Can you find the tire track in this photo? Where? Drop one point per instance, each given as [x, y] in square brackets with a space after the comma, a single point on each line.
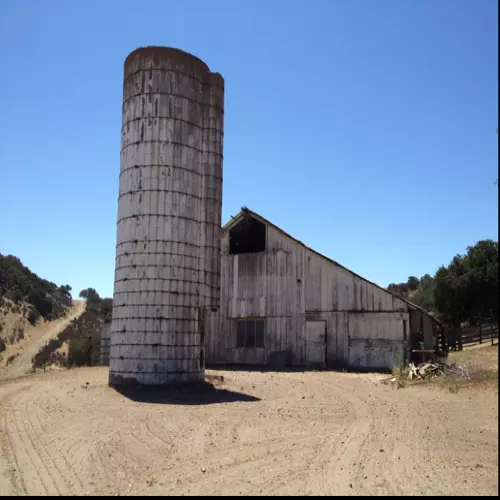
[16, 480]
[58, 478]
[42, 469]
[34, 479]
[311, 433]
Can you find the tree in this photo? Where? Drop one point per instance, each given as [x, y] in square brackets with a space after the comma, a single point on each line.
[467, 290]
[106, 309]
[427, 286]
[454, 290]
[482, 279]
[41, 302]
[101, 307]
[89, 294]
[65, 291]
[413, 283]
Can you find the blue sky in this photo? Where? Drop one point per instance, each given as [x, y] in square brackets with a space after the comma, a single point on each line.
[366, 129]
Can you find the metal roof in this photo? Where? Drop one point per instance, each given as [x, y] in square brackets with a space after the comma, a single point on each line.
[245, 212]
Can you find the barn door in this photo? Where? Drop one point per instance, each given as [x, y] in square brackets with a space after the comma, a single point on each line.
[316, 344]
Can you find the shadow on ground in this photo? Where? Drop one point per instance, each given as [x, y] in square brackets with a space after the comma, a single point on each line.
[258, 368]
[201, 394]
[270, 369]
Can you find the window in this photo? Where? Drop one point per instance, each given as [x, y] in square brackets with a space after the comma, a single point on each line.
[250, 333]
[248, 236]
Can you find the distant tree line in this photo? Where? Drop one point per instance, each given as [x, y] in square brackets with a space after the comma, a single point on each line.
[19, 284]
[101, 307]
[464, 291]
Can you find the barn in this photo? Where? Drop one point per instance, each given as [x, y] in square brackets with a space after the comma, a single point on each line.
[285, 305]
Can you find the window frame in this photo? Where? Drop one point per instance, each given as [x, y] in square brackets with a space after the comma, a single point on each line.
[257, 333]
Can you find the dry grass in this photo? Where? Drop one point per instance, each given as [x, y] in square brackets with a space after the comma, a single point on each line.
[481, 364]
[483, 356]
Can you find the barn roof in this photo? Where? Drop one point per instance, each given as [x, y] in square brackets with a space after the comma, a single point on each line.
[246, 212]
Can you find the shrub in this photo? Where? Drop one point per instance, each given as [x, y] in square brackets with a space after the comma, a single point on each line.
[10, 359]
[2, 345]
[16, 296]
[33, 316]
[17, 334]
[78, 352]
[38, 299]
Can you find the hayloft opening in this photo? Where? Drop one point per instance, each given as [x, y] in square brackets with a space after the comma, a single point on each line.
[248, 236]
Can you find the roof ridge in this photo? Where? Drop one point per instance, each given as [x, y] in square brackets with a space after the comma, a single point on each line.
[246, 211]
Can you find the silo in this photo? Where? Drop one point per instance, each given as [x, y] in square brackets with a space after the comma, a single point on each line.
[169, 217]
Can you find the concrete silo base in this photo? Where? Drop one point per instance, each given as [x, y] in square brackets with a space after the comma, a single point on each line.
[181, 380]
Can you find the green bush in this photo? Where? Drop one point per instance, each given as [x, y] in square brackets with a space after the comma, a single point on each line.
[78, 352]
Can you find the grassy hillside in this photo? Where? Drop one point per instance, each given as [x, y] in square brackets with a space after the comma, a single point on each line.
[27, 300]
[30, 295]
[29, 305]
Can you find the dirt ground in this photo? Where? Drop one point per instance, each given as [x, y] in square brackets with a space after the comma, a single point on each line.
[259, 433]
[35, 338]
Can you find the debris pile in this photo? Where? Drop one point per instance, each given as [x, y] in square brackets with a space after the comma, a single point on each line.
[436, 369]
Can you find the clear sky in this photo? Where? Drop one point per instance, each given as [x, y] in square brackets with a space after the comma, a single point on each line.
[366, 129]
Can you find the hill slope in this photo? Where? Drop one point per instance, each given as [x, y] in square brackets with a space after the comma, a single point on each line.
[37, 316]
[24, 292]
[17, 359]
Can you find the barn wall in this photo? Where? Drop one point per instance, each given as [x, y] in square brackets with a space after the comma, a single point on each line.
[288, 284]
[253, 285]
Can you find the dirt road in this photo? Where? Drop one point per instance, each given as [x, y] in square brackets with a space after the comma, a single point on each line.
[37, 339]
[260, 433]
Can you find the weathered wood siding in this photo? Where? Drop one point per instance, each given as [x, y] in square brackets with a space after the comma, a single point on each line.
[289, 283]
[422, 323]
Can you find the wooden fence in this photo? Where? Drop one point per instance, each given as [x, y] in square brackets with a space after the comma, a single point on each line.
[480, 334]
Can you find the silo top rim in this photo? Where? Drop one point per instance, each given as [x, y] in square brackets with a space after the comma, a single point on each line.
[167, 52]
